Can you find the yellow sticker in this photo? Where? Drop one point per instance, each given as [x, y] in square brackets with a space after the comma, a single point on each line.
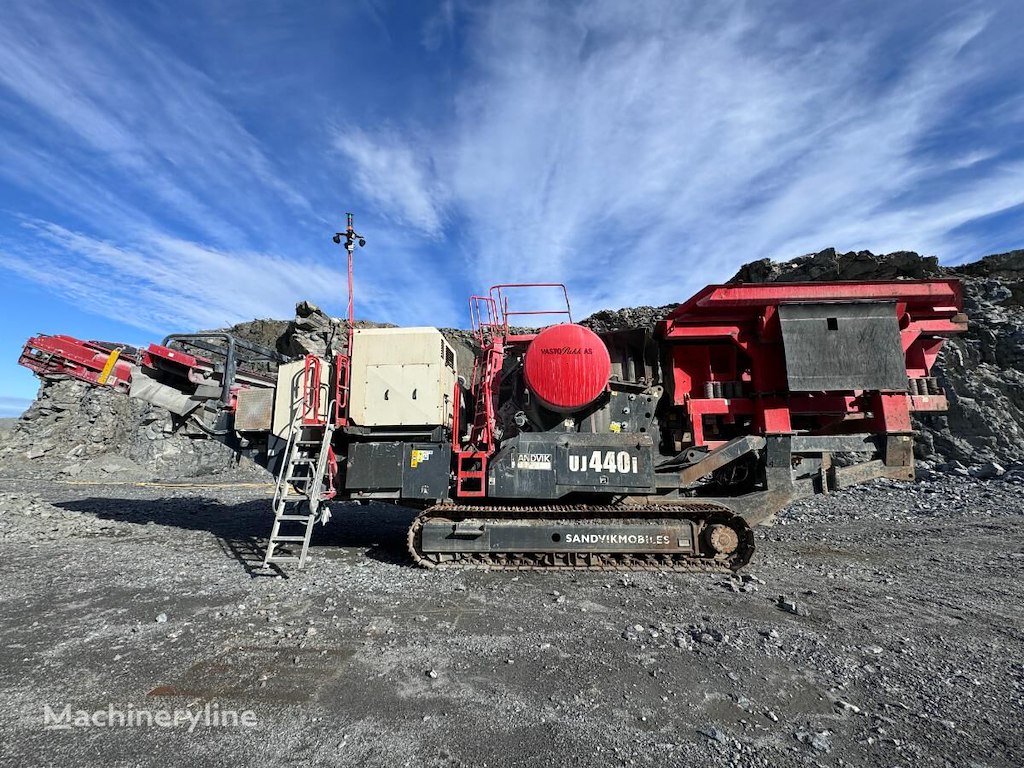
[416, 457]
[105, 373]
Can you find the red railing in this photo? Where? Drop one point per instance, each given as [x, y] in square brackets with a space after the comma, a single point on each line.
[342, 386]
[311, 416]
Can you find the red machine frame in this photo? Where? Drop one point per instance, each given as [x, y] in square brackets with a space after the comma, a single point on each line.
[88, 361]
[732, 333]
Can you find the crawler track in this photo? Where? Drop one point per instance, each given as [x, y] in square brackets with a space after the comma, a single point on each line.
[711, 524]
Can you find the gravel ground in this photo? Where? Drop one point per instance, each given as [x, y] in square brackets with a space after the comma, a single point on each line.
[879, 626]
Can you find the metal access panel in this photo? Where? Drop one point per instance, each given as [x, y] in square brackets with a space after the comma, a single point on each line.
[843, 346]
[426, 469]
[374, 466]
[401, 377]
[254, 410]
[418, 470]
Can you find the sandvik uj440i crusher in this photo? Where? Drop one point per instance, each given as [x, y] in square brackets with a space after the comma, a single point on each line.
[565, 448]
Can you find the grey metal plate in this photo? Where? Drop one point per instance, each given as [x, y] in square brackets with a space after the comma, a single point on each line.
[255, 410]
[552, 536]
[425, 471]
[145, 387]
[842, 346]
[376, 466]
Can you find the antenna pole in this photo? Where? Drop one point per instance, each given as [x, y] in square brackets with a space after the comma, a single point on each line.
[351, 239]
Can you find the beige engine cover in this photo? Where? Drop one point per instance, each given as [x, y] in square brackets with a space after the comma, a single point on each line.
[401, 377]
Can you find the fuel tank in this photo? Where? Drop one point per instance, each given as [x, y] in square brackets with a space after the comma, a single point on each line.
[567, 367]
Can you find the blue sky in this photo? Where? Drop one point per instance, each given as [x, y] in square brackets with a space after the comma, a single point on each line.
[174, 166]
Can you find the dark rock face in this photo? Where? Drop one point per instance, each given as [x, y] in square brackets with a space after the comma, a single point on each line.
[629, 317]
[830, 265]
[314, 332]
[982, 371]
[266, 333]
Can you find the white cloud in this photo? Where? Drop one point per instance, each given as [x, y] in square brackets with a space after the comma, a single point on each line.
[639, 156]
[440, 26]
[160, 283]
[392, 174]
[121, 106]
[164, 284]
[634, 154]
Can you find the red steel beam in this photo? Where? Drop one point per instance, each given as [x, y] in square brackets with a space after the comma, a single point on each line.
[83, 360]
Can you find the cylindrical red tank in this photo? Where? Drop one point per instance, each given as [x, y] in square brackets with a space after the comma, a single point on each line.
[567, 367]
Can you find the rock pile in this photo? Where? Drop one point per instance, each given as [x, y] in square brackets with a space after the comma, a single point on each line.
[314, 332]
[74, 430]
[628, 317]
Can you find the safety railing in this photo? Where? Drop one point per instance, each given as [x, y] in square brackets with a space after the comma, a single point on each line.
[311, 395]
[494, 314]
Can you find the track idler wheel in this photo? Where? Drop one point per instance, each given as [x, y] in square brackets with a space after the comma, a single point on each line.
[722, 539]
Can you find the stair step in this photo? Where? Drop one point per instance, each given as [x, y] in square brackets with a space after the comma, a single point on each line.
[300, 479]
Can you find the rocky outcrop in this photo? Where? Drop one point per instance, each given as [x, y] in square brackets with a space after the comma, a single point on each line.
[830, 265]
[628, 317]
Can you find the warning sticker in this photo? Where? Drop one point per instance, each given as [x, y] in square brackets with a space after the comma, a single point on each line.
[417, 457]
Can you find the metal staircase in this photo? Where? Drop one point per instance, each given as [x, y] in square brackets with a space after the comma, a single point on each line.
[306, 477]
[302, 488]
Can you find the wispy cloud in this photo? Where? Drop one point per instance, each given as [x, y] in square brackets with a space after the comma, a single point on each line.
[167, 212]
[159, 282]
[121, 104]
[634, 155]
[166, 200]
[392, 174]
[640, 157]
[439, 26]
